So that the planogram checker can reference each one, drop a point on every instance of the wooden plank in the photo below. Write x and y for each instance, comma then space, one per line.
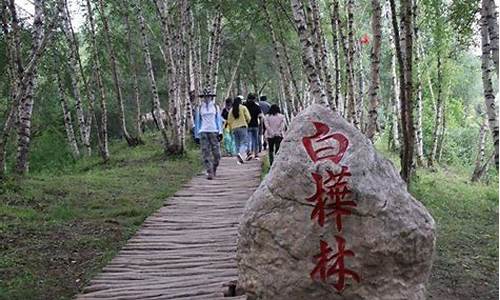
187, 249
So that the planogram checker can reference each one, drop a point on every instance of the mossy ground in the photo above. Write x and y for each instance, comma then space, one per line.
59, 229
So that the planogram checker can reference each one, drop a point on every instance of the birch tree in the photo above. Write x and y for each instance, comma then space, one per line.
152, 80
486, 61
375, 70
403, 45
132, 141
308, 59
104, 149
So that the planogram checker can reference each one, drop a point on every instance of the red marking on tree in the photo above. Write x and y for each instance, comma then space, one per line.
364, 40
317, 153
337, 268
329, 197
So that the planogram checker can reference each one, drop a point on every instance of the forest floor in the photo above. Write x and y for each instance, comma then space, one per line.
58, 230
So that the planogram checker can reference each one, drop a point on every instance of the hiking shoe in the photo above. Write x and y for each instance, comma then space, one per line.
210, 176
215, 171
240, 159
249, 157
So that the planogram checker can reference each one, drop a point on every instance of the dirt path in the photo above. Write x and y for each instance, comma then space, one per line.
187, 249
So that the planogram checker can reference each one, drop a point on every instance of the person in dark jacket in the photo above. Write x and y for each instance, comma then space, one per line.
253, 126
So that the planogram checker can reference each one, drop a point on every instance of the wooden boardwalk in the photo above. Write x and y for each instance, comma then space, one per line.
187, 249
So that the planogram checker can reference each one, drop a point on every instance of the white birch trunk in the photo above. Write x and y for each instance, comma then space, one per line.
489, 97
373, 105
102, 93
308, 54
149, 66
68, 123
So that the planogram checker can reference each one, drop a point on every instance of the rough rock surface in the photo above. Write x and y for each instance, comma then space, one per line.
391, 235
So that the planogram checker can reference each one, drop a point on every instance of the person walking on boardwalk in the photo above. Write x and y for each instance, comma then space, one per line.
253, 125
208, 129
238, 120
264, 107
274, 123
228, 139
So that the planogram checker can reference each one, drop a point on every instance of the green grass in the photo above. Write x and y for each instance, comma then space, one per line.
57, 229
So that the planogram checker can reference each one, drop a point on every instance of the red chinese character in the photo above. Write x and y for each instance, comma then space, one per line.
338, 267
320, 136
329, 197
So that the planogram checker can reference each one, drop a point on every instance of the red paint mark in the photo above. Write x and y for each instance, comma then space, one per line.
317, 151
329, 197
337, 268
365, 39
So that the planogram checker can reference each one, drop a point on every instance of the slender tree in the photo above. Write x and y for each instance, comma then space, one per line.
132, 141
404, 46
308, 58
149, 67
375, 70
489, 96
104, 149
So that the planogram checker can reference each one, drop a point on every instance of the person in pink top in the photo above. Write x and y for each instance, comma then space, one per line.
275, 129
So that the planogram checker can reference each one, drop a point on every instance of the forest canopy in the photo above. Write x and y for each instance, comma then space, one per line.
421, 77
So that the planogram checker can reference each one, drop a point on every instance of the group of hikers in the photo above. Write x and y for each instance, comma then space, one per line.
245, 128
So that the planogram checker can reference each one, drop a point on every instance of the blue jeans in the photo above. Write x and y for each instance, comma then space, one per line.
253, 133
240, 139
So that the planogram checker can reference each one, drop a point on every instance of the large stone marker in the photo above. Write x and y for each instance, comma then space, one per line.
333, 220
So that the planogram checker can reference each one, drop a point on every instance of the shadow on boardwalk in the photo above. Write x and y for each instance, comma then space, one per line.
187, 249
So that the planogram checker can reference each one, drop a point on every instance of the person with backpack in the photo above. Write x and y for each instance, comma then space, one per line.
253, 125
275, 129
208, 129
237, 120
228, 139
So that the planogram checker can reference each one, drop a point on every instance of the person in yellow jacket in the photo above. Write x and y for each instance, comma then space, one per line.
238, 120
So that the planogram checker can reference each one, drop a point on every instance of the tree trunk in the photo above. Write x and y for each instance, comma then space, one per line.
102, 93
80, 75
489, 97
68, 123
335, 47
135, 81
439, 113
352, 114
442, 135
395, 113
131, 141
296, 94
308, 53
233, 73
323, 58
72, 65
492, 18
173, 81
26, 94
476, 174
373, 105
404, 45
281, 69
149, 67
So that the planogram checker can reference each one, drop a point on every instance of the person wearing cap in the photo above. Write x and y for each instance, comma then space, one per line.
208, 129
